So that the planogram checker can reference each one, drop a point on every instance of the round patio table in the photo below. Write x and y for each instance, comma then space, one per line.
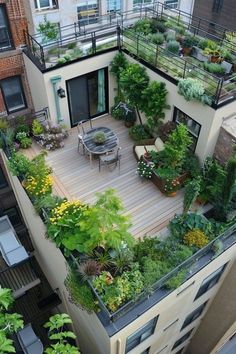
95, 149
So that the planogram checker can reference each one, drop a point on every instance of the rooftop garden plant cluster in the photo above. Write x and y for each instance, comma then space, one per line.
137, 92
170, 167
96, 241
172, 37
11, 322
48, 135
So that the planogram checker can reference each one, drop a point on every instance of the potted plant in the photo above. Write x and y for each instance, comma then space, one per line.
129, 116
99, 138
187, 45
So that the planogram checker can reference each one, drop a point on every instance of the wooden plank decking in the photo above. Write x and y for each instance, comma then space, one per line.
75, 179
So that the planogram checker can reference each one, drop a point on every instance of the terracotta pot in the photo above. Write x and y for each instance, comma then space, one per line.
216, 59
187, 51
172, 194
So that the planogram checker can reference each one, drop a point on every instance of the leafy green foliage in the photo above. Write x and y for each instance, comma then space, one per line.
48, 30
176, 147
183, 223
9, 322
214, 68
173, 47
191, 192
55, 325
104, 225
139, 132
176, 280
80, 294
156, 38
143, 26
193, 90
134, 80
18, 164
118, 64
154, 97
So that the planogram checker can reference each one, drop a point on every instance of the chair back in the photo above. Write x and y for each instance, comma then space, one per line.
82, 126
118, 155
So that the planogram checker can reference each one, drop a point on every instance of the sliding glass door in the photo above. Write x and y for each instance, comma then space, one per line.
87, 96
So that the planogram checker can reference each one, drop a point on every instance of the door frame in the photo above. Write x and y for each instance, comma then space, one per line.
106, 95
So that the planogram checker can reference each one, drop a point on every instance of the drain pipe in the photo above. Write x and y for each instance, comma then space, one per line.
54, 81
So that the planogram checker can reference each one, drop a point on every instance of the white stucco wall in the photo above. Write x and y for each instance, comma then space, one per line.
41, 87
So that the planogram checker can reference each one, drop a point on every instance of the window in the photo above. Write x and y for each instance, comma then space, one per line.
141, 2
172, 4
193, 127
3, 180
113, 6
13, 93
5, 33
193, 315
45, 4
182, 339
210, 281
88, 12
140, 335
217, 5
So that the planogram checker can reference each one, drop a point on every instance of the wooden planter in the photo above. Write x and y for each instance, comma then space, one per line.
160, 183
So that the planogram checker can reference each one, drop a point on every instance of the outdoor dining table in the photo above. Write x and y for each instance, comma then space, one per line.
94, 149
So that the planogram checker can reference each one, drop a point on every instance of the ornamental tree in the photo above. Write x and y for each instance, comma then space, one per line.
9, 322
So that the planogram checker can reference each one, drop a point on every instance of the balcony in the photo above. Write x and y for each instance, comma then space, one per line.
78, 42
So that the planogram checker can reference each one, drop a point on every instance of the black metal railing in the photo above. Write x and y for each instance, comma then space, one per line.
191, 266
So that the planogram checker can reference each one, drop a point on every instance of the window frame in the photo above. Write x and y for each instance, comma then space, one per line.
10, 111
191, 133
217, 6
3, 178
53, 4
171, 4
192, 316
8, 28
139, 336
210, 281
182, 339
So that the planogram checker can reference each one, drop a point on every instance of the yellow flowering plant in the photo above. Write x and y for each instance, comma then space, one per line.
38, 186
64, 227
195, 238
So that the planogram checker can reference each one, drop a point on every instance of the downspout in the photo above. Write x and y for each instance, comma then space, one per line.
54, 80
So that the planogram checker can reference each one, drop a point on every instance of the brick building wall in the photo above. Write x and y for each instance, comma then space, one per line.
225, 146
11, 61
222, 12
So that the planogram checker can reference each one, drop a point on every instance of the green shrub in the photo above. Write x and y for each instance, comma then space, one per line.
139, 132
153, 270
80, 293
158, 25
156, 38
61, 61
4, 124
170, 36
143, 26
173, 47
18, 164
67, 57
72, 45
25, 143
176, 280
193, 90
37, 127
214, 68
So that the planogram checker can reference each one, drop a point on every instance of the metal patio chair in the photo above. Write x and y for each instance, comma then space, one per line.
28, 340
81, 126
110, 159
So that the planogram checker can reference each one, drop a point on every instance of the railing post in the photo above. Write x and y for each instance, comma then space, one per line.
119, 37
137, 44
93, 42
185, 65
218, 90
156, 56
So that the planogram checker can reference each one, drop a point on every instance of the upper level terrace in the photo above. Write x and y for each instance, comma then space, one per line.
170, 42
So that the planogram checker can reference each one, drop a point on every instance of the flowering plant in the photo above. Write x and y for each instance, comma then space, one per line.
38, 187
171, 185
145, 169
196, 238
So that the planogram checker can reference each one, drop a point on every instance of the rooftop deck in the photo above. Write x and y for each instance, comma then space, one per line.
75, 179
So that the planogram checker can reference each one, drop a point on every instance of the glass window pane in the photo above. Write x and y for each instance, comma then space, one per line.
140, 335
13, 93
5, 35
44, 3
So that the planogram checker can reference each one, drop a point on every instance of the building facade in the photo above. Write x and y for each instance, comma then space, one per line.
89, 12
222, 12
15, 97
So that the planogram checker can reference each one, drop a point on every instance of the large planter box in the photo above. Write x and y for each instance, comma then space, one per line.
160, 183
